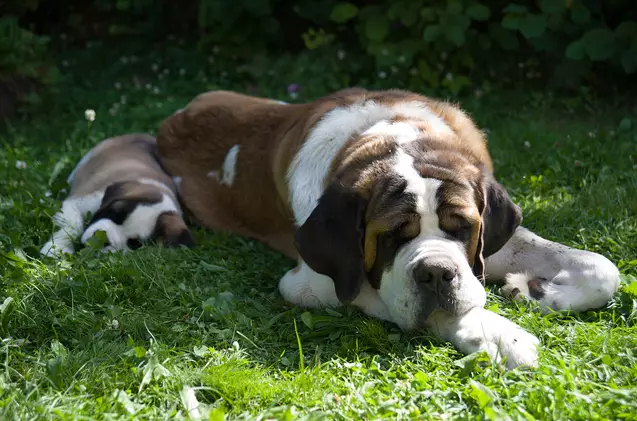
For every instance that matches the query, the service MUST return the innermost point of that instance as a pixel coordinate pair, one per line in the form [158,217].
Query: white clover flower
[182,72]
[118,86]
[122,99]
[20,165]
[340,54]
[148,86]
[155,67]
[156,90]
[235,345]
[89,115]
[382,75]
[114,324]
[527,144]
[448,76]
[402,59]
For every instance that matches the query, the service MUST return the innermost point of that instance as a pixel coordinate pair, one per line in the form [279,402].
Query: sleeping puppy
[388,201]
[121,183]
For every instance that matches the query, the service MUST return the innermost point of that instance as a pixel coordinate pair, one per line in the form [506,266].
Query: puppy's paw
[116,240]
[56,250]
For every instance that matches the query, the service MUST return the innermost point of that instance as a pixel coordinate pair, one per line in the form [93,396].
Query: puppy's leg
[483,330]
[116,239]
[304,287]
[556,276]
[70,221]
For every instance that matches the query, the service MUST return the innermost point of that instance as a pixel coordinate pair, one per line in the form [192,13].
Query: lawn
[142,335]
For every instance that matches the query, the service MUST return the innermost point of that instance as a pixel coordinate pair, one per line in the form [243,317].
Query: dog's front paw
[115,238]
[482,330]
[514,346]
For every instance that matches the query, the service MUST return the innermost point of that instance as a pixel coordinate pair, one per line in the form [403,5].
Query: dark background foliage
[445,46]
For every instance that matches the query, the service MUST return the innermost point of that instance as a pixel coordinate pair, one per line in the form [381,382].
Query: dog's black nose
[432,275]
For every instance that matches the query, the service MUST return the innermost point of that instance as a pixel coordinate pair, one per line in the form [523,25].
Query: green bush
[444,45]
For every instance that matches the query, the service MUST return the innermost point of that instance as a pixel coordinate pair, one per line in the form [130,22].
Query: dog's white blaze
[141,222]
[310,166]
[401,131]
[230,166]
[425,191]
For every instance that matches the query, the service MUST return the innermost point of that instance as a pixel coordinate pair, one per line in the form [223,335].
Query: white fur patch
[230,166]
[307,172]
[228,170]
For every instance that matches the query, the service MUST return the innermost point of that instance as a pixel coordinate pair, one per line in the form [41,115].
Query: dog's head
[142,211]
[417,226]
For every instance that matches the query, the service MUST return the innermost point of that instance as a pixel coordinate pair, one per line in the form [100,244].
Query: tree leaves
[343,12]
[377,27]
[599,44]
[478,12]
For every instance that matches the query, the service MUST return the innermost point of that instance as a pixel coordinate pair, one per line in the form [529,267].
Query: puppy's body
[121,183]
[388,201]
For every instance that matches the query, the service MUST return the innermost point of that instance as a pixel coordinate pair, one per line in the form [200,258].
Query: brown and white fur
[121,183]
[388,201]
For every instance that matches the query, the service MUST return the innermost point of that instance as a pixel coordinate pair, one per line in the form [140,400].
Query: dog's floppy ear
[500,218]
[331,240]
[171,230]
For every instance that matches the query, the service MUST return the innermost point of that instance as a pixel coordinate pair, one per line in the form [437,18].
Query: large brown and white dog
[388,201]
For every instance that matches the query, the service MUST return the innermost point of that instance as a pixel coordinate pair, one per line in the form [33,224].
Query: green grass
[121,336]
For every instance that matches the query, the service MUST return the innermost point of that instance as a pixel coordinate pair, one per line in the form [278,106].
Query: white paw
[115,238]
[515,346]
[111,249]
[483,330]
[56,250]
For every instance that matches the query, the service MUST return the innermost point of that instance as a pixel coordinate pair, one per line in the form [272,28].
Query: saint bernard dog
[119,182]
[388,201]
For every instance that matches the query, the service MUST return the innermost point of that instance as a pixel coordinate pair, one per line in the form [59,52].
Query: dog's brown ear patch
[331,240]
[171,231]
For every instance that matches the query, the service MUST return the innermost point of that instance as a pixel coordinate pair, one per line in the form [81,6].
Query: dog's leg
[116,239]
[556,276]
[304,287]
[483,330]
[70,221]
